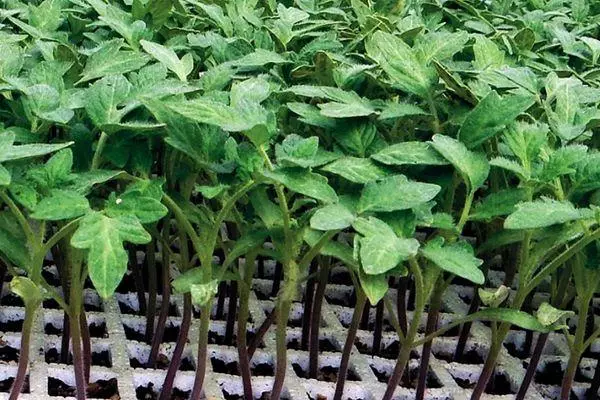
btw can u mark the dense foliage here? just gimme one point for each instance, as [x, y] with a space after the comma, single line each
[411, 142]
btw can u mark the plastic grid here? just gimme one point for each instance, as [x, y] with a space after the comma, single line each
[447, 379]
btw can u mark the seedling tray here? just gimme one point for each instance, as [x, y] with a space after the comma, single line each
[118, 353]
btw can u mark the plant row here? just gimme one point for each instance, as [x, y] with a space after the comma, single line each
[411, 142]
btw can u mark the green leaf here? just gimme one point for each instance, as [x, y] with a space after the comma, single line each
[134, 203]
[333, 249]
[487, 54]
[510, 165]
[169, 59]
[332, 217]
[210, 192]
[393, 110]
[108, 59]
[13, 242]
[104, 97]
[5, 177]
[490, 116]
[83, 182]
[304, 182]
[31, 294]
[494, 297]
[44, 101]
[456, 258]
[311, 115]
[60, 205]
[545, 212]
[203, 293]
[514, 317]
[357, 170]
[374, 286]
[440, 45]
[9, 152]
[548, 315]
[297, 151]
[409, 153]
[395, 193]
[401, 63]
[103, 237]
[473, 167]
[383, 252]
[498, 204]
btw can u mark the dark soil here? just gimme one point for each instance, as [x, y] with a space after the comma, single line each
[6, 385]
[500, 385]
[148, 393]
[552, 374]
[390, 352]
[228, 396]
[409, 381]
[100, 389]
[324, 345]
[97, 330]
[12, 300]
[471, 357]
[127, 309]
[515, 351]
[232, 368]
[11, 325]
[163, 362]
[170, 336]
[8, 354]
[325, 374]
[101, 358]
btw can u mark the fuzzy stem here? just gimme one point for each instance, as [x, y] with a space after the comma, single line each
[75, 325]
[309, 296]
[164, 307]
[378, 331]
[233, 291]
[432, 320]
[167, 387]
[244, 289]
[407, 344]
[24, 351]
[361, 300]
[531, 368]
[221, 294]
[277, 279]
[99, 149]
[466, 329]
[401, 304]
[575, 356]
[86, 343]
[138, 280]
[260, 333]
[315, 323]
[202, 350]
[152, 289]
[283, 311]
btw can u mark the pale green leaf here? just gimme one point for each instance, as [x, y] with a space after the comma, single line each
[332, 217]
[304, 182]
[400, 62]
[545, 212]
[60, 205]
[473, 167]
[490, 116]
[169, 59]
[456, 258]
[354, 169]
[409, 153]
[395, 193]
[108, 59]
